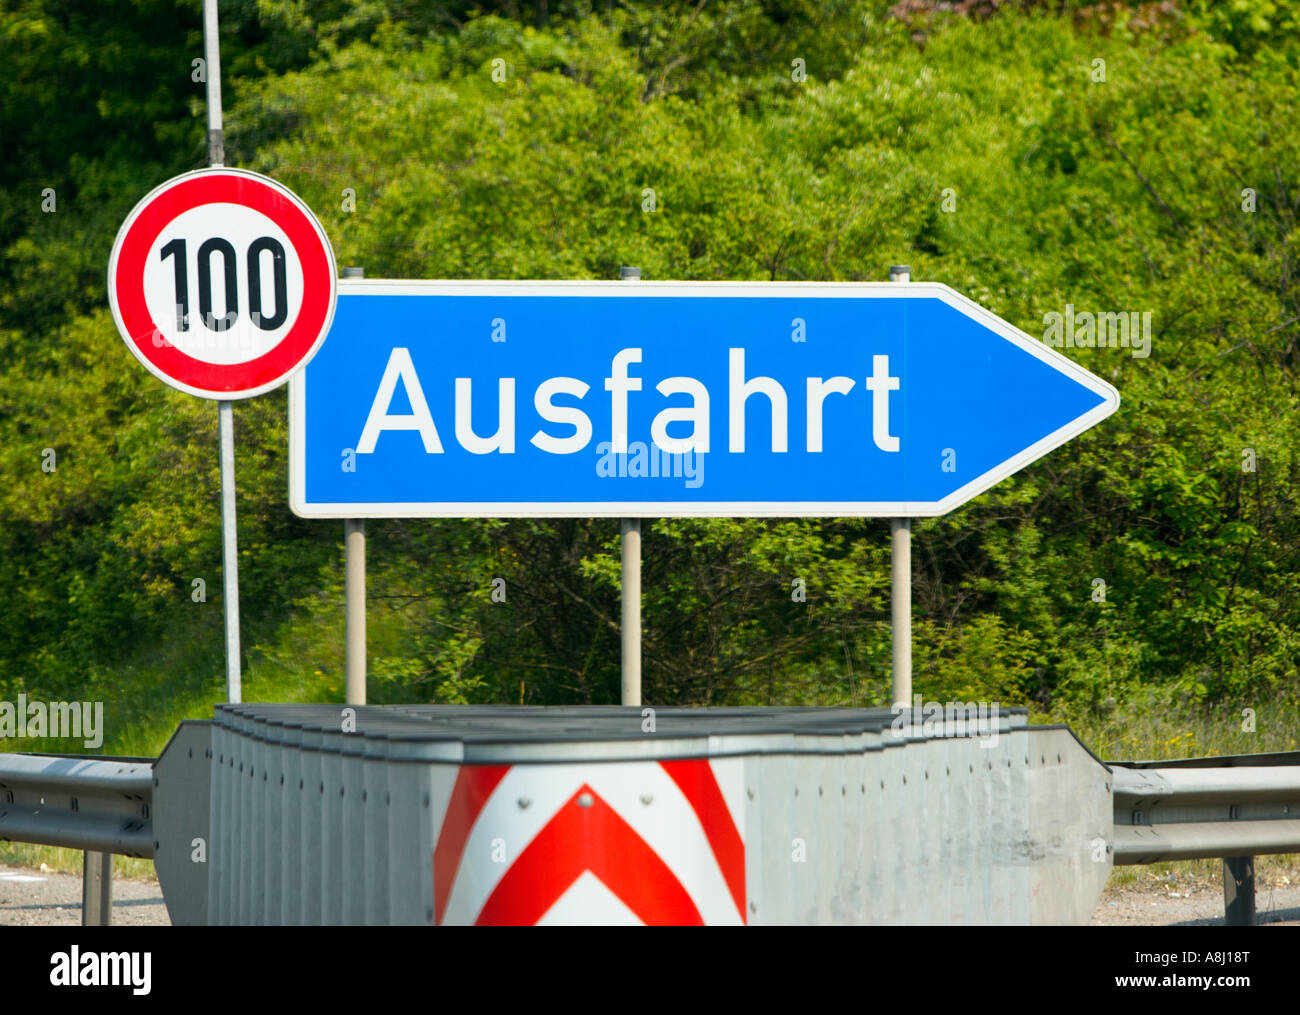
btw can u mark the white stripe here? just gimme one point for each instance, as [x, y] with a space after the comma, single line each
[730, 776]
[589, 903]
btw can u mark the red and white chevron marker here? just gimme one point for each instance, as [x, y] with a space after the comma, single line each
[644, 842]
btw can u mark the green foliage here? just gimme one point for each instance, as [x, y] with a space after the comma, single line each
[1123, 195]
[1249, 26]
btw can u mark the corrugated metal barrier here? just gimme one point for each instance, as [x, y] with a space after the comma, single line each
[501, 815]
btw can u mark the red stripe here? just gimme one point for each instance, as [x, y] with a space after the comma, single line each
[474, 784]
[591, 838]
[700, 787]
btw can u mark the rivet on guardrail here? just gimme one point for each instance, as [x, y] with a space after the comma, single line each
[750, 791]
[647, 799]
[523, 801]
[426, 800]
[585, 800]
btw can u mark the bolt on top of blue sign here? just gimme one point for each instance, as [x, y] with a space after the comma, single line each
[626, 399]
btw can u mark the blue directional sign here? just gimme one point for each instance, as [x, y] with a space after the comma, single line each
[627, 399]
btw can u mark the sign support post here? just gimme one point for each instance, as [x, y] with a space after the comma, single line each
[631, 626]
[354, 592]
[900, 538]
[225, 410]
[630, 583]
[354, 542]
[229, 551]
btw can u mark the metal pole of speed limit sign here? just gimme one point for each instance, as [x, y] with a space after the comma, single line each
[225, 410]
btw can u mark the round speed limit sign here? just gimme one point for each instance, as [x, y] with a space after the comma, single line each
[222, 283]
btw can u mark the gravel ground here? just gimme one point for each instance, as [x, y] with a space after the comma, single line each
[30, 898]
[45, 898]
[1191, 901]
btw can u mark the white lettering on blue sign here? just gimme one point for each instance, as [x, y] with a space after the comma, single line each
[400, 369]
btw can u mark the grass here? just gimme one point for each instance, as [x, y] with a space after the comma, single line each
[56, 858]
[1155, 726]
[1280, 870]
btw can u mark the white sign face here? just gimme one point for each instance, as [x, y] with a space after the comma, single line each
[258, 293]
[222, 283]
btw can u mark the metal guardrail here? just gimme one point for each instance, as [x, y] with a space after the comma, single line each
[1234, 808]
[1189, 813]
[100, 806]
